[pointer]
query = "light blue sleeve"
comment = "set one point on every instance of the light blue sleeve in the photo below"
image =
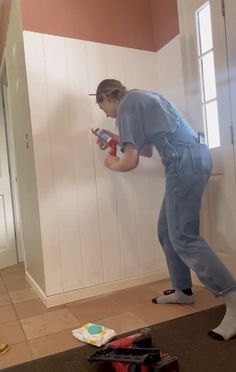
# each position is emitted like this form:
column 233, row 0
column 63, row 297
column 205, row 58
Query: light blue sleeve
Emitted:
column 131, row 129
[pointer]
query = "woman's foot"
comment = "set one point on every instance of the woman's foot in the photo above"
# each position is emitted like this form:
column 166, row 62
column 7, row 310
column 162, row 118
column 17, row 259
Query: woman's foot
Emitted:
column 227, row 328
column 175, row 296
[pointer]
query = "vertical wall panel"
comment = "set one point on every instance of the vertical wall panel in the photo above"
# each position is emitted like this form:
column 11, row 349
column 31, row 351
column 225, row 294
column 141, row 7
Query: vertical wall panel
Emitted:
column 37, row 87
column 115, row 57
column 139, row 67
column 63, row 161
column 116, row 68
column 96, row 67
column 108, row 219
column 170, row 72
column 156, row 190
column 144, row 219
column 85, row 183
column 127, row 223
column 106, row 195
column 140, row 73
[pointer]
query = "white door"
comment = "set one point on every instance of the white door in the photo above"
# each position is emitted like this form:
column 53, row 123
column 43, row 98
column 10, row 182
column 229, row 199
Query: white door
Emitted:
column 8, row 255
column 208, row 98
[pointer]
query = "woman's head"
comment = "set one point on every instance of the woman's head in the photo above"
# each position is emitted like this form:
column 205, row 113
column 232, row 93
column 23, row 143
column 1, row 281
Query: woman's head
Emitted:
column 108, row 95
column 110, row 88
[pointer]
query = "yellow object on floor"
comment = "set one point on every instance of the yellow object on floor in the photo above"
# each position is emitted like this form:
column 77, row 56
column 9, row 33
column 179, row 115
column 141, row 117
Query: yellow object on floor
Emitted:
column 4, row 348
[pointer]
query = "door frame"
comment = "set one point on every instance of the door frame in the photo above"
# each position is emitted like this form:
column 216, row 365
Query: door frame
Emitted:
column 193, row 93
column 195, row 100
column 20, row 251
column 230, row 13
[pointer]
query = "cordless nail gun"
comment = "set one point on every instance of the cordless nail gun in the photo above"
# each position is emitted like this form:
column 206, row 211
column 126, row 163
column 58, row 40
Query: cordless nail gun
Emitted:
column 135, row 353
column 111, row 142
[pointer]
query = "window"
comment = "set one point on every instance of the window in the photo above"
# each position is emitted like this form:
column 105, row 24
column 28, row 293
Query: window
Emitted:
column 207, row 75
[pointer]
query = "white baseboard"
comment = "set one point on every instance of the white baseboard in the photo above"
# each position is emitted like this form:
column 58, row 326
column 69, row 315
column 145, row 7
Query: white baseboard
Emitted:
column 79, row 294
column 36, row 287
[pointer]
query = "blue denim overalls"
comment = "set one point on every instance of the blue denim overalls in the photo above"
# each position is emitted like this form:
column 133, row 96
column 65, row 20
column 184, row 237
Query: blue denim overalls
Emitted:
column 188, row 167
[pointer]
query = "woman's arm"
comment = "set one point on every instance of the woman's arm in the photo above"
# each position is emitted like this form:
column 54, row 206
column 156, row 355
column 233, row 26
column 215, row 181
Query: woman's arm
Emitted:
column 128, row 160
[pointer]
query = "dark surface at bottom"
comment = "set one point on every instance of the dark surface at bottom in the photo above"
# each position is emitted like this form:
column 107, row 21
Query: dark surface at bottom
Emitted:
column 186, row 338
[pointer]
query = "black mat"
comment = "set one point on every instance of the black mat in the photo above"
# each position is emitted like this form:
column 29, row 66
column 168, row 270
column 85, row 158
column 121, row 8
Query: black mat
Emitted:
column 184, row 337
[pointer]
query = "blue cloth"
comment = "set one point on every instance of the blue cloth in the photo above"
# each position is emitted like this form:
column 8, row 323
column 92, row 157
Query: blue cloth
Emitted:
column 145, row 117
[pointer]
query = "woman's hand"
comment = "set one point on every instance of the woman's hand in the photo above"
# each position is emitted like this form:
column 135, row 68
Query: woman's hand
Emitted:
column 128, row 161
column 113, row 135
column 102, row 144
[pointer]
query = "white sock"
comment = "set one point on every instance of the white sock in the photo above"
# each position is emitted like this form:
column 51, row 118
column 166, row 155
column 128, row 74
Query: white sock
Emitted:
column 176, row 297
column 227, row 328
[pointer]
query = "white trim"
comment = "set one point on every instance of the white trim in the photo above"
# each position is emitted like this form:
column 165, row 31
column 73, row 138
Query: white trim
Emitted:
column 36, row 287
column 63, row 298
column 180, row 17
column 2, row 67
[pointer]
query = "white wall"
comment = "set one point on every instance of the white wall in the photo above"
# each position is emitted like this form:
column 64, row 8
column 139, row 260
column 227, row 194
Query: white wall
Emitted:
column 169, row 70
column 97, row 226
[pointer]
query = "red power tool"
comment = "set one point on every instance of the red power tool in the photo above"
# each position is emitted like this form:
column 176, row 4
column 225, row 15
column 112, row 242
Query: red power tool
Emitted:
column 138, row 340
column 111, row 142
column 135, row 353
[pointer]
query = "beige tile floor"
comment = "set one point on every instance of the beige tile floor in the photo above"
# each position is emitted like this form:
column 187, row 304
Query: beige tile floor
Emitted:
column 34, row 331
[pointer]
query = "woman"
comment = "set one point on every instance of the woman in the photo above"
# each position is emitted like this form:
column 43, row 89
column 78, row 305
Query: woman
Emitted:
column 145, row 118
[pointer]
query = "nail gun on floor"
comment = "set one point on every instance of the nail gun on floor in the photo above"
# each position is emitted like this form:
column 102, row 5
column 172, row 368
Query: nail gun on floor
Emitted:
column 135, row 353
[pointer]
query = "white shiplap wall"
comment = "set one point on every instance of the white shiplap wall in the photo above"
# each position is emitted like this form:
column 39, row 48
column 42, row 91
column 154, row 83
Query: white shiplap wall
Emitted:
column 97, row 226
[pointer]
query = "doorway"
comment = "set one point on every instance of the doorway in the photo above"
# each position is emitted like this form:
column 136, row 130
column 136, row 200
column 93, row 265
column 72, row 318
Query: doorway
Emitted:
column 11, row 240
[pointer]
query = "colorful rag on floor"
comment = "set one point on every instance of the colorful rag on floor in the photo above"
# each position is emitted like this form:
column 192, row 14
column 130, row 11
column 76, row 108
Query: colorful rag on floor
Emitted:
column 94, row 334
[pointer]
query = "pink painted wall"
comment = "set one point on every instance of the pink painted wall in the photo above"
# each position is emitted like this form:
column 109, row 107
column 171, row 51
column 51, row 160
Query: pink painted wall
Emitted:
column 165, row 21
column 119, row 22
column 141, row 24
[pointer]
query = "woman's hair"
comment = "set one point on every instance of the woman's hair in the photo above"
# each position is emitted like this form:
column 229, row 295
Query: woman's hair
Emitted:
column 111, row 88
